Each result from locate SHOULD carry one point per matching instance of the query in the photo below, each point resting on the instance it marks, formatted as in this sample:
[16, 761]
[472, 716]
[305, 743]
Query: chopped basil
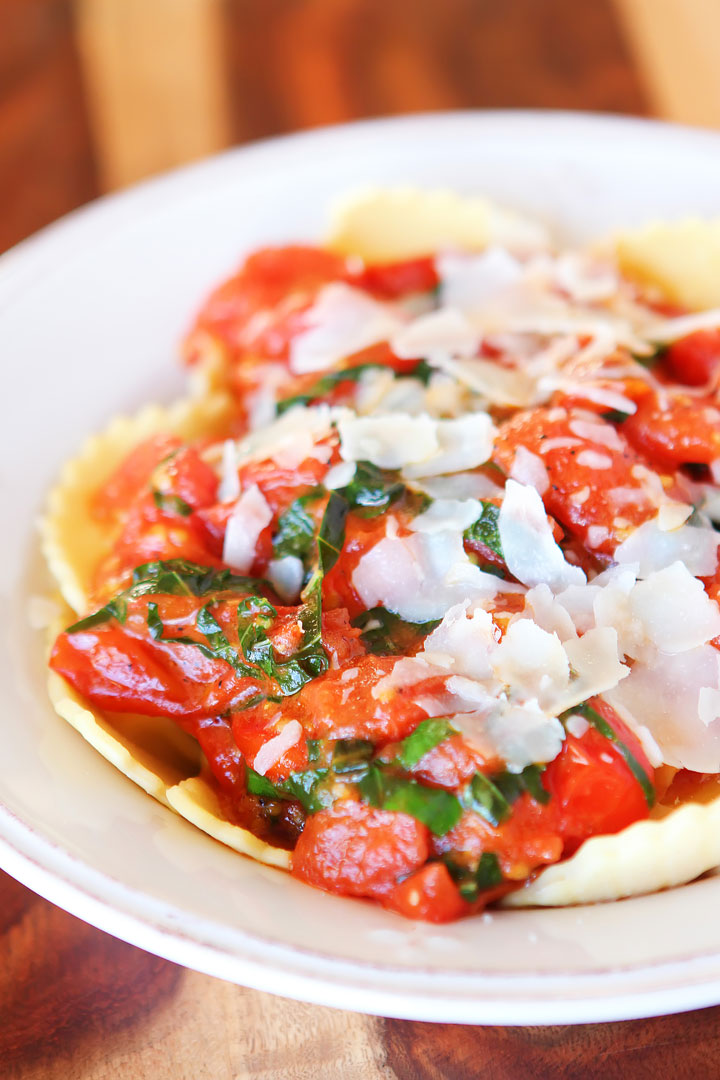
[600, 724]
[386, 634]
[512, 785]
[371, 489]
[115, 609]
[172, 504]
[327, 383]
[437, 809]
[221, 648]
[154, 622]
[295, 532]
[351, 759]
[302, 786]
[179, 577]
[332, 531]
[615, 416]
[485, 529]
[471, 881]
[313, 750]
[485, 799]
[427, 735]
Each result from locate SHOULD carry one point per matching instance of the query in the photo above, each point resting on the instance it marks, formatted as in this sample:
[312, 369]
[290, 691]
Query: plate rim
[28, 855]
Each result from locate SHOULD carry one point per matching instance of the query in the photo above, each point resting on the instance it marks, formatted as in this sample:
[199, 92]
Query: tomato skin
[132, 475]
[389, 281]
[694, 360]
[251, 734]
[429, 894]
[675, 429]
[357, 850]
[333, 706]
[592, 786]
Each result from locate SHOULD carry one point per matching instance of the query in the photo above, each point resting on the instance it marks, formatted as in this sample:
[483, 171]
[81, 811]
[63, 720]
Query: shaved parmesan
[250, 516]
[420, 576]
[463, 443]
[530, 551]
[340, 475]
[675, 610]
[271, 752]
[520, 734]
[443, 514]
[342, 321]
[229, 487]
[445, 330]
[388, 441]
[529, 468]
[286, 577]
[530, 658]
[653, 548]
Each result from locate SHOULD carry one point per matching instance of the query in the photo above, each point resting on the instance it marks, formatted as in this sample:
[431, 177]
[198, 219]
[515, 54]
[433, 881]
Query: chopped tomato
[429, 894]
[694, 360]
[584, 475]
[133, 474]
[252, 732]
[390, 281]
[673, 429]
[593, 788]
[357, 850]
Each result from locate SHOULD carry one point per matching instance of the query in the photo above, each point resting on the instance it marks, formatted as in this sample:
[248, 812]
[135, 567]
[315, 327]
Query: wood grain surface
[76, 1004]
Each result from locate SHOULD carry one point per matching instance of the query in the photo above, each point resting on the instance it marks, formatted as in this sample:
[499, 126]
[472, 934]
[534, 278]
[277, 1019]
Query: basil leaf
[386, 634]
[172, 504]
[154, 622]
[301, 786]
[372, 489]
[219, 645]
[437, 809]
[332, 531]
[615, 416]
[115, 609]
[600, 724]
[471, 881]
[485, 799]
[295, 532]
[485, 529]
[427, 735]
[351, 758]
[178, 577]
[313, 749]
[326, 384]
[512, 785]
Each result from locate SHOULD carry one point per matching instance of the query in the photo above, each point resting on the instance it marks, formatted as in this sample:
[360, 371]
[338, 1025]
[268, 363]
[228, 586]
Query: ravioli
[437, 475]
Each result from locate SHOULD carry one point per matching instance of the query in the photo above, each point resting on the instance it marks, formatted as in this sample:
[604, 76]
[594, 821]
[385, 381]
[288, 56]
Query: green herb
[600, 724]
[115, 609]
[485, 529]
[301, 786]
[371, 489]
[485, 799]
[154, 622]
[512, 785]
[386, 634]
[178, 577]
[437, 809]
[210, 628]
[327, 383]
[332, 531]
[471, 881]
[295, 532]
[427, 735]
[351, 759]
[615, 416]
[172, 504]
[313, 750]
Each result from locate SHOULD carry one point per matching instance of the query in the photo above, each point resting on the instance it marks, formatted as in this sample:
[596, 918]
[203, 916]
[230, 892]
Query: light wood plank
[155, 77]
[676, 47]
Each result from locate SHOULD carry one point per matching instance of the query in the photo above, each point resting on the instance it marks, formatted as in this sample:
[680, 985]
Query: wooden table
[74, 1002]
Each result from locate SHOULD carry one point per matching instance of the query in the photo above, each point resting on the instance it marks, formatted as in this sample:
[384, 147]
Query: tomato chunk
[429, 894]
[675, 429]
[694, 360]
[357, 850]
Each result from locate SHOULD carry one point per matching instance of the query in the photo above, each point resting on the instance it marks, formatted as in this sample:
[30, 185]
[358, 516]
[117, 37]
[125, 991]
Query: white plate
[91, 312]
